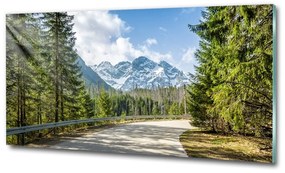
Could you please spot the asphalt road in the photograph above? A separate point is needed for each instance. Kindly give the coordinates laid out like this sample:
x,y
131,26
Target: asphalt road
x,y
160,138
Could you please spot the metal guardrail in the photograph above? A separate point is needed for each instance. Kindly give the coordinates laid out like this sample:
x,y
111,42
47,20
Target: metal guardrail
x,y
25,129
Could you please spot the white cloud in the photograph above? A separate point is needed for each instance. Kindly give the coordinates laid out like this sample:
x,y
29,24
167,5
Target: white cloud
x,y
189,55
150,41
95,31
100,37
187,61
155,56
162,29
122,49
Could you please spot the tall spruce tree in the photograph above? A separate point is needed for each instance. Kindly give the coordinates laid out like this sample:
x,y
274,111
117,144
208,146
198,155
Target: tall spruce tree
x,y
25,72
44,81
68,85
232,88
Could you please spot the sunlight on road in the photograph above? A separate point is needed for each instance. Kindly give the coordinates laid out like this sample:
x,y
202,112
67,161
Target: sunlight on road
x,y
148,138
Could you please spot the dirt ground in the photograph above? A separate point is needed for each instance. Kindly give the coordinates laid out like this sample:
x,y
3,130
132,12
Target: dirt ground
x,y
204,144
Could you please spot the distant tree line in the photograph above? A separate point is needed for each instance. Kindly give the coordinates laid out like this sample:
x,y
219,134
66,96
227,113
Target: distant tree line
x,y
160,101
231,91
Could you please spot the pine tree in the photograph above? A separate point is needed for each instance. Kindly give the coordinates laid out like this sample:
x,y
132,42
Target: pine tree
x,y
104,104
232,88
174,109
23,68
43,78
67,79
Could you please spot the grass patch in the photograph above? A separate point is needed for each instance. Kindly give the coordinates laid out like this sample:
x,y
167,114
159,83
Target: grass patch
x,y
204,144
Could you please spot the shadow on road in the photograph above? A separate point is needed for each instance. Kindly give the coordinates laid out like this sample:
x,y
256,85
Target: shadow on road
x,y
155,138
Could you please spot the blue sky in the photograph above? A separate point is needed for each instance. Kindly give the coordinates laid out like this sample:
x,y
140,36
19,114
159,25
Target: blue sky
x,y
123,35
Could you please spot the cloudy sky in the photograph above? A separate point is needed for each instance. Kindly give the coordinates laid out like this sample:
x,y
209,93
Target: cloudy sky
x,y
123,35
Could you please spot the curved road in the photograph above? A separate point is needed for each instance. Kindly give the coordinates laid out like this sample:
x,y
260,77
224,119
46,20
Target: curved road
x,y
149,138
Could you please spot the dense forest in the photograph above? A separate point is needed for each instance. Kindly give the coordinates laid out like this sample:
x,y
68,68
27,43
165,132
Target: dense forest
x,y
231,91
45,83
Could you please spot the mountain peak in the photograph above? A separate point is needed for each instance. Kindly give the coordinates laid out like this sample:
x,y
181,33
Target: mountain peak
x,y
165,64
90,75
105,64
142,63
142,72
141,58
122,63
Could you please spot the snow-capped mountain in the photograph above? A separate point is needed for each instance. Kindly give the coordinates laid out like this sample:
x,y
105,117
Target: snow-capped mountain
x,y
90,76
141,73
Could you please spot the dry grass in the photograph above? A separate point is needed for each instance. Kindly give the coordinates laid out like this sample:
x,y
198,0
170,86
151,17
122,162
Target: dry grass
x,y
203,144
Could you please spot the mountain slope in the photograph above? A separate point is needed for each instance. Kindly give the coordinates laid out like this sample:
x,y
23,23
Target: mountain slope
x,y
141,73
90,76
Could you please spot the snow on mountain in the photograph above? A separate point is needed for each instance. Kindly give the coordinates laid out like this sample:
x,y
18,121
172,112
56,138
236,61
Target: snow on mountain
x,y
90,76
116,75
141,73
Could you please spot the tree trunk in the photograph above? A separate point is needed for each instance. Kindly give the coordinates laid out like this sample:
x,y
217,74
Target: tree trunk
x,y
56,116
18,105
61,100
56,69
